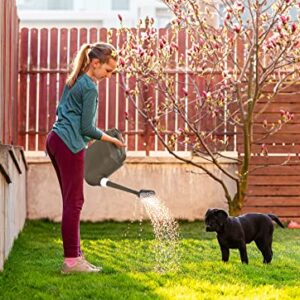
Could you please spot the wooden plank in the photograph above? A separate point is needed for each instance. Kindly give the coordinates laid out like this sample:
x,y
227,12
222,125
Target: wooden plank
x,y
161,99
227,38
131,112
271,149
171,116
2,13
121,92
130,117
43,96
286,128
11,107
285,88
209,120
274,160
290,212
9,66
274,180
288,219
10,79
53,99
281,98
15,82
276,190
93,35
278,137
63,60
139,120
272,201
273,170
73,43
82,36
5,68
23,55
194,83
274,117
276,107
112,88
102,88
4,117
149,137
240,49
32,89
182,82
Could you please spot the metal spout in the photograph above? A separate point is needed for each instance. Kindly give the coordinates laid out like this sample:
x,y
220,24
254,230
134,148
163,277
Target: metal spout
x,y
104,182
146,193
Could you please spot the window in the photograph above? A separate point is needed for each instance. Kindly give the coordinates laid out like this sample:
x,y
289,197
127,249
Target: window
x,y
32,4
120,4
44,4
294,13
163,17
221,15
58,4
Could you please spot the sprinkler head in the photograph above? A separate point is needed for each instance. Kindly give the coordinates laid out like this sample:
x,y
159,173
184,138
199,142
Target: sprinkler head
x,y
146,193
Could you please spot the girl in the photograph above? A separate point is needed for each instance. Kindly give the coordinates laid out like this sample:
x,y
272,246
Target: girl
x,y
66,143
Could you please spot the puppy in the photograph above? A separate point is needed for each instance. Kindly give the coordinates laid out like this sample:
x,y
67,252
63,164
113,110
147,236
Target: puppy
x,y
235,233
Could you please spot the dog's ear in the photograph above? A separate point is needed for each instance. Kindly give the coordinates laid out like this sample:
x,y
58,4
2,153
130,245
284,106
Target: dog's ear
x,y
209,211
222,216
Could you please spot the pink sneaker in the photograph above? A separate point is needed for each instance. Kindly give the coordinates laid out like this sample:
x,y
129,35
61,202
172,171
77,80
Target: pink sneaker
x,y
81,266
91,265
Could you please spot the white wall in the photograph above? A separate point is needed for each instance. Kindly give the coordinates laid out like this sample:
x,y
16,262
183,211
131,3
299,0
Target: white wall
x,y
187,194
12,198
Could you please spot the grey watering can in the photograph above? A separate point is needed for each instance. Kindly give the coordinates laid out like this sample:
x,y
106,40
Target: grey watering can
x,y
104,158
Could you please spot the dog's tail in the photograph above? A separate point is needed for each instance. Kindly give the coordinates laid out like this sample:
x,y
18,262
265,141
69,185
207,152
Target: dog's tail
x,y
275,218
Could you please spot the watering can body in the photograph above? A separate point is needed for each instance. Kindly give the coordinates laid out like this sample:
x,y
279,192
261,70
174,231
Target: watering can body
x,y
103,158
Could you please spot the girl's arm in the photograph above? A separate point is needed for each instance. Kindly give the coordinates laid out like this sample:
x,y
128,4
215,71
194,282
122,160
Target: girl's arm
x,y
89,105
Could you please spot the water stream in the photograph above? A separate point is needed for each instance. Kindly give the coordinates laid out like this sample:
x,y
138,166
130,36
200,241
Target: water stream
x,y
166,234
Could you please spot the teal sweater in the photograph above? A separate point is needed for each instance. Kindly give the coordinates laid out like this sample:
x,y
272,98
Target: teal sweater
x,y
76,114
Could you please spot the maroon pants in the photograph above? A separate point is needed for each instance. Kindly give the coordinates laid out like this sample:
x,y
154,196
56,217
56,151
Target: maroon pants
x,y
69,168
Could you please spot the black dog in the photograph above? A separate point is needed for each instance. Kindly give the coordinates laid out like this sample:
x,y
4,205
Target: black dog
x,y
235,233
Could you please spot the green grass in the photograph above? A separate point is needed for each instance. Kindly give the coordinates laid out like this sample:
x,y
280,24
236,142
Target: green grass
x,y
124,250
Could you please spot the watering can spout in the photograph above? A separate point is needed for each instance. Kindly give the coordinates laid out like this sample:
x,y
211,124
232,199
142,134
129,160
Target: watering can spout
x,y
146,193
104,182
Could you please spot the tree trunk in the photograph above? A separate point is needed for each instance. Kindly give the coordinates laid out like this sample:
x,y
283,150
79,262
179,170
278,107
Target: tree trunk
x,y
236,204
234,208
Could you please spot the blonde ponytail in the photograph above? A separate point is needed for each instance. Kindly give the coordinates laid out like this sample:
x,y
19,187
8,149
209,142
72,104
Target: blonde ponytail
x,y
80,63
87,52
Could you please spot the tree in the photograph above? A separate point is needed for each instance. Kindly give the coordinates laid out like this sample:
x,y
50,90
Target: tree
x,y
215,89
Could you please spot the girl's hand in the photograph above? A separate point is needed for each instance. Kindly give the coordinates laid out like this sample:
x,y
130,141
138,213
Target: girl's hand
x,y
119,143
107,138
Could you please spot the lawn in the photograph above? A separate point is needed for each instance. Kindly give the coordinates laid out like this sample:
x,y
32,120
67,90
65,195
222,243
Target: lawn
x,y
125,251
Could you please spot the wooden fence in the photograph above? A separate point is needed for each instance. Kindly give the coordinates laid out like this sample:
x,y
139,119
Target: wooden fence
x,y
45,54
274,182
9,29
